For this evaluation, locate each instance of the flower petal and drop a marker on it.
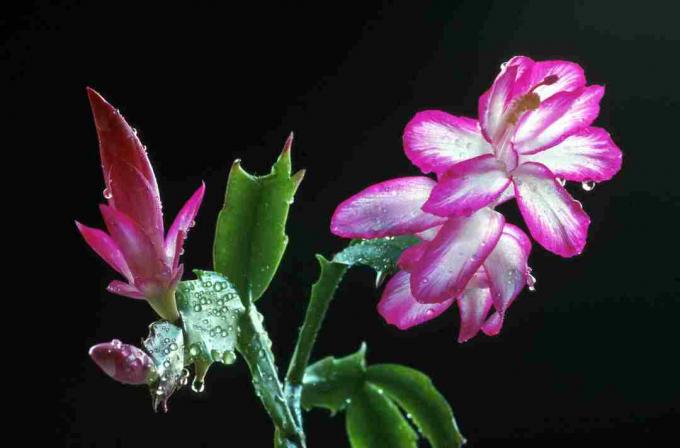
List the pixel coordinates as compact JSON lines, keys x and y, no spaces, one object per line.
{"x":434,"y":140}
{"x":588,"y":155}
{"x":389,"y":208}
{"x":570,"y":78}
{"x":506,"y":267}
{"x":124,"y":289}
{"x":474,"y":305}
{"x":140,"y":254}
{"x":411,"y":255}
{"x":494,"y":103}
{"x":106,"y":248}
{"x":506,"y":195}
{"x":183,"y":222}
{"x":429,"y":234}
{"x":555,"y":220}
{"x":493,"y":324}
{"x":468,"y":186}
{"x":134,"y":196}
{"x":399,"y":308}
{"x":118,"y":142}
{"x":456,"y":253}
{"x":556,"y":119}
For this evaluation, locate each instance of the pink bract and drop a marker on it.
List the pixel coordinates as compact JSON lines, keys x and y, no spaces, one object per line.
{"x":534,"y":128}
{"x":136,"y":245}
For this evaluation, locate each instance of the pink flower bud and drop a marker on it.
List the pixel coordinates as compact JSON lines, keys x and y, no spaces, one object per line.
{"x":124,"y":363}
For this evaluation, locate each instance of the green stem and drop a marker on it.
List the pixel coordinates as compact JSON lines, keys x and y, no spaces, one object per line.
{"x":321,"y":296}
{"x":255,"y":346}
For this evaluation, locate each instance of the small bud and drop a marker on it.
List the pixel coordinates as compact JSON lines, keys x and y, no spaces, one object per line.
{"x":124,"y":363}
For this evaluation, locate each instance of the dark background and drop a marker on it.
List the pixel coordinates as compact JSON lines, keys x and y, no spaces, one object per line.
{"x":589,"y":358}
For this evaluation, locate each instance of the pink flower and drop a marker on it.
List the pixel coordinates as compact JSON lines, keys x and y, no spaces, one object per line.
{"x":478,"y":261}
{"x":533,"y":133}
{"x":136,"y":245}
{"x":496,"y":283}
{"x":124,"y":363}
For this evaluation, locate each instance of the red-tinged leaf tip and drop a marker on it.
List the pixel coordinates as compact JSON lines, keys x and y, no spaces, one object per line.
{"x":100,"y":107}
{"x":289,"y":143}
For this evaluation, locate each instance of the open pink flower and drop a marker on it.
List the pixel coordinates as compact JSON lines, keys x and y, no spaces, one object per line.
{"x":124,"y":363}
{"x":477,"y":260}
{"x":533,"y":132}
{"x":394,"y":207}
{"x":136,"y":245}
{"x":496,"y":283}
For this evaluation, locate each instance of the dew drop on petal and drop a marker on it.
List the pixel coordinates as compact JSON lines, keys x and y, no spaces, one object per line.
{"x":107,"y":193}
{"x":531,"y":282}
{"x":561,"y":181}
{"x":588,"y":185}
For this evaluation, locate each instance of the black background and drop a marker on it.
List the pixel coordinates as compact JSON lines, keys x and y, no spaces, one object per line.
{"x":589,"y":358}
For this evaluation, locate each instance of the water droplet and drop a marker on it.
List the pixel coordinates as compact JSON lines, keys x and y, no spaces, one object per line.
{"x":194,"y":350}
{"x":184,"y":377}
{"x":588,"y":185}
{"x":531,"y":282}
{"x":116,"y":344}
{"x":107,"y":193}
{"x":197,"y":385}
{"x":229,"y":357}
{"x":561,"y":181}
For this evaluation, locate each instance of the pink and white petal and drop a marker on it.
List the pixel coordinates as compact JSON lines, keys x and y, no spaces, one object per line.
{"x":525,"y":67}
{"x":141,"y":255}
{"x":411,"y":256}
{"x":456,"y":253}
{"x":118,"y":141}
{"x":106,"y":248}
{"x":389,"y":208}
{"x":399,"y":308}
{"x":493,"y":324}
{"x":570,"y":78}
{"x":556,"y":119}
{"x":493,"y":104}
{"x":587,"y":155}
{"x":435,"y":140}
{"x":474,"y":305}
{"x":555,"y":220}
{"x":429,"y":234}
{"x":506,"y":266}
{"x":505,"y":196}
{"x":134,"y":196}
{"x":124,"y":289}
{"x":182,"y":223}
{"x":468,"y":186}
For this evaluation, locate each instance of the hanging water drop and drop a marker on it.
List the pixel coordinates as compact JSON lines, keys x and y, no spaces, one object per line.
{"x":588,"y":185}
{"x":197,"y":385}
{"x":561,"y":181}
{"x":531,"y":282}
{"x":107,"y":193}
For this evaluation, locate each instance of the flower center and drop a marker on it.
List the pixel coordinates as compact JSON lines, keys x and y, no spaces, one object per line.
{"x":527,"y":102}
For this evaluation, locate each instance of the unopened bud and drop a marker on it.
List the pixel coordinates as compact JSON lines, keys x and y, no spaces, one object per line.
{"x":124,"y":363}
